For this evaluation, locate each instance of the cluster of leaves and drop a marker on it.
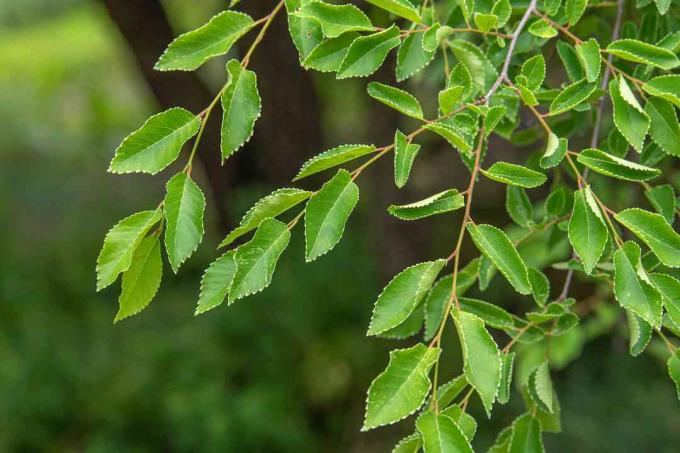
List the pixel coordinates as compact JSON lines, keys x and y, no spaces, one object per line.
{"x":495,"y":56}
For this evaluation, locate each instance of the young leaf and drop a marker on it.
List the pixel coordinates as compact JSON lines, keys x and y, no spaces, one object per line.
{"x":629,"y":118}
{"x":451,"y":134}
{"x":642,"y":52}
{"x":534,"y":70}
{"x":120,"y":244}
{"x":405,"y":153}
{"x":502,"y":9}
{"x":335,"y":19}
{"x":486,"y":22}
{"x":412,"y":57}
{"x":399,"y":100}
{"x":555,"y":150}
{"x":441,"y":434}
{"x":664,"y":128}
{"x":493,"y":118}
{"x":190,"y":50}
{"x":184,"y":205}
{"x":632,"y":287}
{"x":409,"y":444}
{"x":142,"y":279}
{"x":328,"y":56}
{"x":332,"y":158}
{"x":540,"y":286}
{"x":401,"y":389}
{"x":256,"y":259}
{"x":674,"y":370}
{"x":401,"y":8}
{"x":640,"y":332}
{"x":496,"y":246}
{"x":272,"y":205}
{"x":540,"y":387}
{"x":663,"y":199}
{"x":504,"y":389}
{"x":367,"y":53}
{"x":666,"y":87}
{"x":587,"y":231}
{"x":589,"y":54}
{"x":402,"y":295}
{"x":669,"y":287}
{"x":542,"y":29}
{"x":572,"y":96}
{"x":241,"y":105}
{"x":519,"y":206}
{"x":481,"y":358}
{"x":653,"y":230}
{"x":216,"y":282}
{"x":616,"y":167}
{"x":526,"y":435}
{"x":157,"y":143}
{"x":446,"y":201}
{"x":515,"y":175}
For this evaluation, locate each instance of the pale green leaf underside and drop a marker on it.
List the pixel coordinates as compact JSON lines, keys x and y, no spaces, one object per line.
{"x":332,"y":158}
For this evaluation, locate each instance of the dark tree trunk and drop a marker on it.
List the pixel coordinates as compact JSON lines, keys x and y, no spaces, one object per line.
{"x":289,"y":127}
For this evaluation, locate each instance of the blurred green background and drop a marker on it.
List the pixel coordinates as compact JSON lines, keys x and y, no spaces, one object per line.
{"x":285,"y":370}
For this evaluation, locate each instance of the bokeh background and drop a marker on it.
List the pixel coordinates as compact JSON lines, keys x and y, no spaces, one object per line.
{"x":285,"y":370}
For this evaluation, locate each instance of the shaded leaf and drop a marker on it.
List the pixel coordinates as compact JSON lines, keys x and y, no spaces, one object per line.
{"x":367,"y":53}
{"x":446,"y":201}
{"x":142,"y":279}
{"x":241,"y":106}
{"x":216,"y":282}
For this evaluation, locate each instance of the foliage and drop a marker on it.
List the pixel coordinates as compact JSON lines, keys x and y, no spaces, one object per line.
{"x":493,"y":61}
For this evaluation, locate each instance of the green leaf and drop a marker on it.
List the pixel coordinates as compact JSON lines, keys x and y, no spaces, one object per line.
{"x":367,"y":53}
{"x":464,"y":421}
{"x":405,"y":153}
{"x":332,"y":158}
{"x":439,"y":295}
{"x":515,"y":175}
{"x":572,"y":96}
{"x":327,"y":213}
{"x":662,"y":6}
{"x":632,"y":287}
{"x":534,"y":70}
{"x":190,"y":50}
{"x":184,"y":205}
{"x":411,"y":326}
{"x":441,"y":434}
{"x":674,"y":370}
{"x":272,"y":205}
{"x":492,"y":315}
{"x":401,"y":389}
{"x":328,"y":56}
{"x":503,"y":10}
{"x":120,"y":244}
{"x":504,"y":389}
{"x":496,"y":246}
{"x":587,"y":231}
{"x":616,"y":167}
{"x":540,"y":286}
{"x":642,"y":52}
{"x":449,"y":98}
{"x":480,"y":68}
{"x":142,"y":279}
{"x":629,"y":118}
{"x":256,"y":259}
{"x":412,"y":57}
{"x":589,"y":54}
{"x":481,"y":357}
{"x":451,"y":134}
{"x":640,"y":332}
{"x":555,"y":150}
{"x":335,"y":19}
{"x":216,"y":282}
{"x":446,"y":201}
{"x":526,"y":435}
{"x":493,"y":118}
{"x":664,"y":128}
{"x":502,"y":442}
{"x":653,"y":230}
{"x":409,"y":444}
{"x":241,"y":105}
{"x":542,"y":29}
{"x":399,"y":100}
{"x":157,"y":143}
{"x":574,"y":9}
{"x":666,"y":87}
{"x":669,"y":287}
{"x":663,"y":199}
{"x":556,"y":203}
{"x":528,"y":97}
{"x":571,"y":62}
{"x":401,"y":8}
{"x":519,"y":206}
{"x":486,"y":22}
{"x":552,"y":312}
{"x":540,"y":387}
{"x":306,"y":33}
{"x":402,"y":295}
